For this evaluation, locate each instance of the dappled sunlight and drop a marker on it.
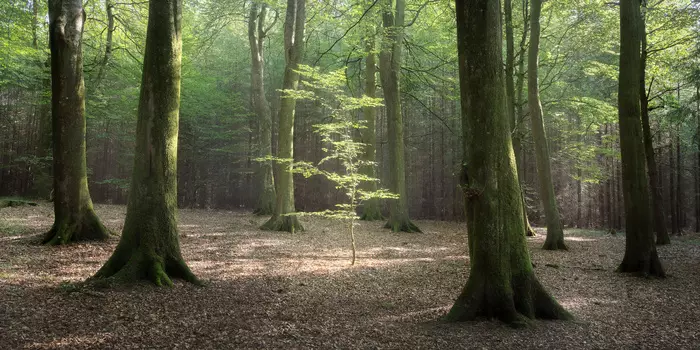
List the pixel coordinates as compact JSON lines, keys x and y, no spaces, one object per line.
{"x":579,"y":239}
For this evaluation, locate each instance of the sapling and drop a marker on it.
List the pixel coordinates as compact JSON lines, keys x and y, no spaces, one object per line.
{"x":339,"y":145}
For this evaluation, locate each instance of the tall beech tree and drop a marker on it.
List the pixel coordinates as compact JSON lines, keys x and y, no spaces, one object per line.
{"x":510,"y":94}
{"x":265,"y":186}
{"x":501,"y":281}
{"x":294,"y":52}
{"x":149,"y":248}
{"x":75,"y":218}
{"x":640,"y":251}
{"x":555,"y":231}
{"x":393,"y":13}
{"x":657,"y":205}
{"x":370,"y":209}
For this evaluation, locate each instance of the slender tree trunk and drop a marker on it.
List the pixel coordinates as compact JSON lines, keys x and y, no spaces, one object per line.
{"x":294,"y":52}
{"x":640,"y":251}
{"x":501,"y":281}
{"x":672,"y":183}
{"x":555,"y":231}
{"x":697,"y":168}
{"x":265,"y":186}
{"x":108,"y":43}
{"x":75,"y":218}
{"x":659,"y":217}
{"x":149,"y":248}
{"x":510,"y":94}
{"x":389,"y":72}
{"x":370,"y":209}
{"x":679,"y":185}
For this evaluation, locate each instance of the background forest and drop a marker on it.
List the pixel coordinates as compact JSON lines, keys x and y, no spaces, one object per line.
{"x":219,"y":138}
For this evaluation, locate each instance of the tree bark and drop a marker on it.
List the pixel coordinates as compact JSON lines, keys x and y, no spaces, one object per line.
{"x":75,"y":219}
{"x":265,"y":186}
{"x":640,"y":251}
{"x":510,"y":95}
{"x":370,"y":209}
{"x":555,"y":231}
{"x":389,"y":72}
{"x":501,"y":282}
{"x":659,"y":217}
{"x":149,"y":248}
{"x":294,"y":52}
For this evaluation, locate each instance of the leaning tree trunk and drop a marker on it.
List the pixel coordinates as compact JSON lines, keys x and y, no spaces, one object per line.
{"x":294,"y":51}
{"x":640,"y":251}
{"x":555,"y":231}
{"x":501,"y":281}
{"x":370,"y":209}
{"x":265,"y":186}
{"x":149,"y":248}
{"x":389,"y":71}
{"x":75,"y":218}
{"x":510,"y":94}
{"x":659,"y":217}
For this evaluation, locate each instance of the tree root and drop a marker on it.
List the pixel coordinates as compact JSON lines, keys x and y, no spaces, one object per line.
{"x":402,"y":226}
{"x":142,"y":266}
{"x":86,"y":227}
{"x":288,"y":223}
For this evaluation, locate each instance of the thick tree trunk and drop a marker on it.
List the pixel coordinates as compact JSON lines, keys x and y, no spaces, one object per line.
{"x":149,"y":248}
{"x":510,"y":94}
{"x":640,"y":251}
{"x":659,"y":217}
{"x":294,"y":52}
{"x":75,"y":218}
{"x":265,"y":186}
{"x":370,"y":209}
{"x":501,"y":282}
{"x":555,"y":231}
{"x":389,"y":72}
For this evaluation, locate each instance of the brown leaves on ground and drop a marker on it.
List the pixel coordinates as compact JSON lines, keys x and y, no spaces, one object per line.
{"x":277,"y":290}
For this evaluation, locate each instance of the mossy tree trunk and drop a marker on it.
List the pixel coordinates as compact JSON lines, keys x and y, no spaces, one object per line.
{"x":640,"y":251}
{"x":501,"y":282}
{"x":370,"y":209}
{"x":149,"y":248}
{"x":389,"y":72}
{"x":510,"y":94}
{"x":265,"y":186}
{"x":659,"y":216}
{"x":75,"y":218}
{"x":555,"y":231}
{"x":294,"y":52}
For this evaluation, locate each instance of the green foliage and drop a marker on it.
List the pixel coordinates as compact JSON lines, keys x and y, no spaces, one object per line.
{"x":339,"y":144}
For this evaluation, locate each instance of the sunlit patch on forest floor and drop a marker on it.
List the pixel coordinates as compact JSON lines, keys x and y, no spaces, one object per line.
{"x":277,"y":290}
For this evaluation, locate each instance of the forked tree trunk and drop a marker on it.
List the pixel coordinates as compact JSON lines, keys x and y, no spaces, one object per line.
{"x":265,"y":186}
{"x":389,"y":72}
{"x":75,"y":219}
{"x":659,"y":217}
{"x":370,"y":209}
{"x":501,"y":281}
{"x":640,"y":251}
{"x":510,"y":93}
{"x":294,"y":52}
{"x":555,"y":231}
{"x":149,"y":248}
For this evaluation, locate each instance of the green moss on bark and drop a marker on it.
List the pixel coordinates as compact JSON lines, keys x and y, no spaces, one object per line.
{"x":149,"y":248}
{"x":501,"y":282}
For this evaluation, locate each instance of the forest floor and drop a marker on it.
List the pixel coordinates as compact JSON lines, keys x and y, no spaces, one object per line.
{"x":277,"y":290}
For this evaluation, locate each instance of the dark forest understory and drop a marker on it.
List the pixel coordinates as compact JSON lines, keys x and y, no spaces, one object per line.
{"x":273,"y":290}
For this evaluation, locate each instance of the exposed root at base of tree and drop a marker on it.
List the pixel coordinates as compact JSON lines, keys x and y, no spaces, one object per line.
{"x":650,"y":267}
{"x":530,"y":232}
{"x":371,"y":214}
{"x":528,"y":300}
{"x":142,"y":266}
{"x":555,"y":245}
{"x":264,"y":210}
{"x":86,"y":227}
{"x":402,"y":226}
{"x":288,"y":223}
